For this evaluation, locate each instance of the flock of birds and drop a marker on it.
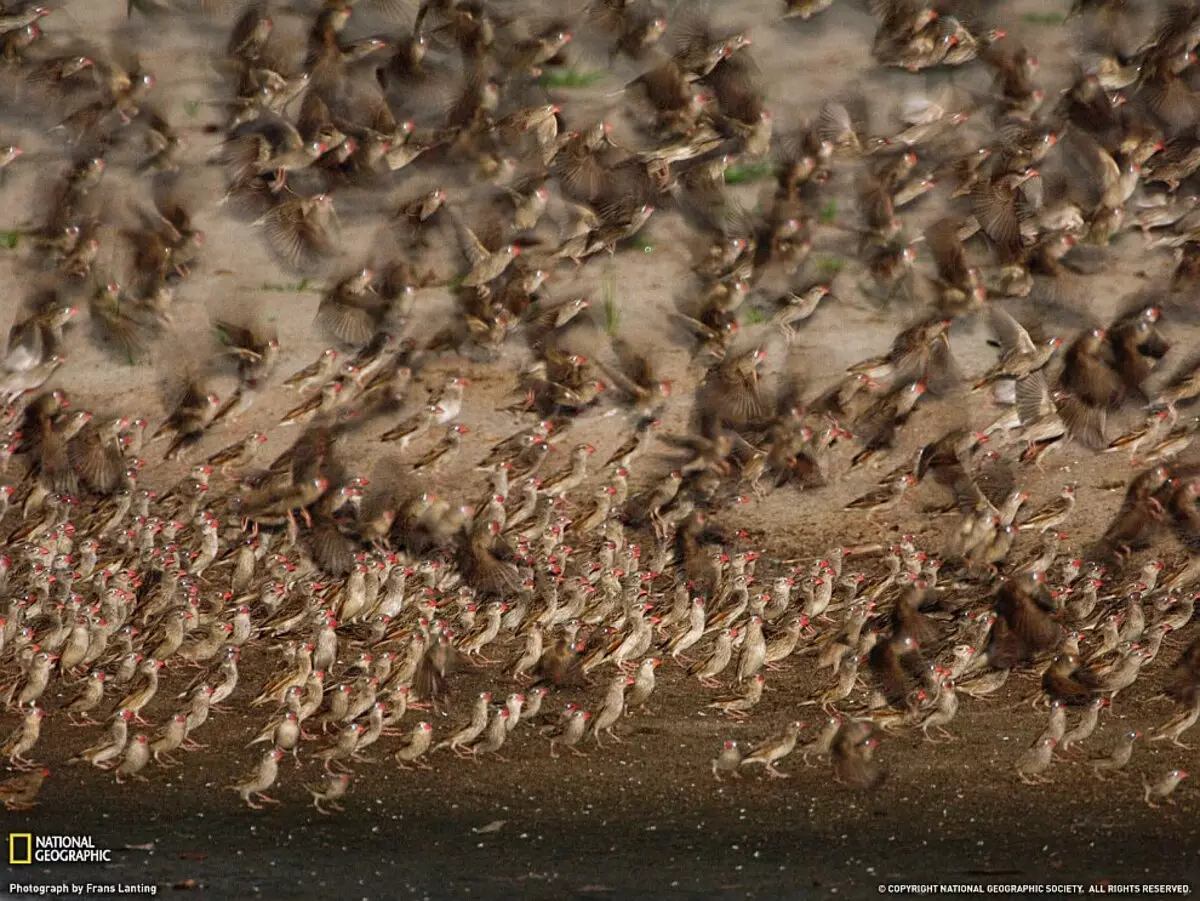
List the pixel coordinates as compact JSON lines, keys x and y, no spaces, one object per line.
{"x":371,"y":598}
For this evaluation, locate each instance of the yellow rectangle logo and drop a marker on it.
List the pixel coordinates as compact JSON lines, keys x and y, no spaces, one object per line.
{"x":20,"y":847}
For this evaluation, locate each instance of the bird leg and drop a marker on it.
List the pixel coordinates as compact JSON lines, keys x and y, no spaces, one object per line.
{"x":776,"y":774}
{"x":709,"y":682}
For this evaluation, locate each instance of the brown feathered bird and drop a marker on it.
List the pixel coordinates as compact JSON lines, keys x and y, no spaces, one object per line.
{"x":486,"y":572}
{"x":853,"y":756}
{"x":1140,"y":516}
{"x":894,"y":662}
{"x":1023,"y":626}
{"x":189,"y":418}
{"x":1092,"y":386}
{"x":20,"y":792}
{"x":1183,"y":681}
{"x":1138,"y":346}
{"x":561,"y":664}
{"x":948,"y":462}
{"x":1069,"y":681}
{"x":440,"y":661}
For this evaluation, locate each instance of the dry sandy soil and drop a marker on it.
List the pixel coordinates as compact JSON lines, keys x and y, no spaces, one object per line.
{"x":644,"y":818}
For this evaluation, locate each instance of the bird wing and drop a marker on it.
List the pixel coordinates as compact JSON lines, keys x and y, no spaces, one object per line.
{"x":1013,"y":336}
{"x":472,"y":247}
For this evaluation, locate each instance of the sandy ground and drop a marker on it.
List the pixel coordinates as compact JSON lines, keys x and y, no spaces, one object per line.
{"x":644,"y":818}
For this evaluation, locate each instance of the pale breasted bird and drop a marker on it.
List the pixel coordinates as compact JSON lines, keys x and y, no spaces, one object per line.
{"x":414,"y":749}
{"x":327,"y":794}
{"x":1118,"y":757}
{"x":1163,"y":788}
{"x":570,"y":731}
{"x":253,"y":789}
{"x":134,"y":760}
{"x":727,"y":761}
{"x":774,"y":750}
{"x":22,"y":739}
{"x":612,"y":709}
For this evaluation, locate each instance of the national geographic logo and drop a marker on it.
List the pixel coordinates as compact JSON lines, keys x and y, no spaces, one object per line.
{"x":20,"y":848}
{"x":27,"y":848}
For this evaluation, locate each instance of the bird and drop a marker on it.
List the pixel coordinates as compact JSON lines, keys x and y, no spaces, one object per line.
{"x":1162,"y":788}
{"x":852,"y":754}
{"x":20,"y":792}
{"x":23,"y":739}
{"x":612,"y":709}
{"x":739,"y":706}
{"x":254,"y":787}
{"x":190,"y":416}
{"x":728,"y":760}
{"x":1118,"y":757}
{"x":105,"y":753}
{"x":1033,"y":763}
{"x":773,"y":750}
{"x":415,"y":748}
{"x":134,"y":760}
{"x":570,"y":732}
{"x":327,"y":794}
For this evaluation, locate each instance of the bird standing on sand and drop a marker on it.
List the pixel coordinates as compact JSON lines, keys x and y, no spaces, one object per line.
{"x":253,"y":789}
{"x":774,"y":750}
{"x":727,"y":761}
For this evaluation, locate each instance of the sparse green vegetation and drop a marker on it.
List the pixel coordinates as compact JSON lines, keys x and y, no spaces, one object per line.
{"x":639,"y":242}
{"x":612,"y":315}
{"x":289,"y":287}
{"x":569,"y":78}
{"x":192,"y":108}
{"x":829,"y":266}
{"x":755,"y":316}
{"x":1043,"y":18}
{"x":829,"y":212}
{"x":10,"y":240}
{"x":752,"y":172}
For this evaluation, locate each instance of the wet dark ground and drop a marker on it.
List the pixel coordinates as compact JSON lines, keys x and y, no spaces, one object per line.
{"x":782,"y":839}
